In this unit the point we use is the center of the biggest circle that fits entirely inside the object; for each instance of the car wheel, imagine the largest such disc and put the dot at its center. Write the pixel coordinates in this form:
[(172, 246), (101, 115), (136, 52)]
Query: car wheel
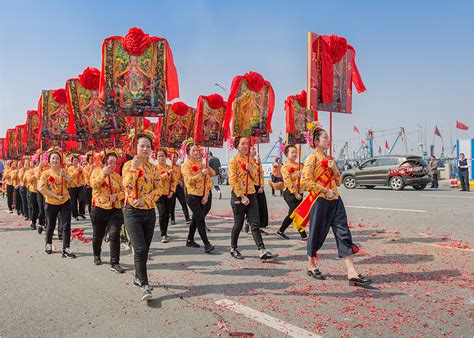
[(349, 182), (419, 186), (369, 186), (396, 183)]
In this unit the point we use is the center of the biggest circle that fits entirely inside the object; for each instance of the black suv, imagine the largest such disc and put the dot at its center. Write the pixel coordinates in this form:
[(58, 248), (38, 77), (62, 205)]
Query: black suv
[(393, 171)]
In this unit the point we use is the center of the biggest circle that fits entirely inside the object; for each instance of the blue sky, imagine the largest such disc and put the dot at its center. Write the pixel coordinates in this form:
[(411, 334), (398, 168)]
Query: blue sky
[(415, 57)]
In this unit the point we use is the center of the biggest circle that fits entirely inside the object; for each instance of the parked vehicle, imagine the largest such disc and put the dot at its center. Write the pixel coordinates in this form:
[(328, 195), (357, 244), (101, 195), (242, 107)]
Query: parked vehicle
[(393, 171)]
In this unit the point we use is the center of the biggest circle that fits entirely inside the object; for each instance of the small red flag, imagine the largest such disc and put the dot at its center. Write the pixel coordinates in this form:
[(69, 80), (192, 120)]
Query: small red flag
[(437, 132), (461, 125), (387, 146), (356, 129)]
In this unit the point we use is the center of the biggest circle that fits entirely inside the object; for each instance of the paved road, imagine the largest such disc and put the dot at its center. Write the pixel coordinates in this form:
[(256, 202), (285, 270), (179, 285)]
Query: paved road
[(419, 255)]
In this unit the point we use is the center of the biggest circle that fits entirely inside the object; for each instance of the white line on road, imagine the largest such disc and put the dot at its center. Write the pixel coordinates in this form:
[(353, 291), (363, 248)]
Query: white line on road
[(379, 208), (445, 196), (277, 324)]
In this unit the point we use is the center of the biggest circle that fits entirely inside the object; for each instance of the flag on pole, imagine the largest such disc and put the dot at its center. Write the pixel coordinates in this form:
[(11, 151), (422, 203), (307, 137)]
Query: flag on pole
[(363, 141), (437, 132), (356, 129), (387, 146), (460, 125), (380, 150)]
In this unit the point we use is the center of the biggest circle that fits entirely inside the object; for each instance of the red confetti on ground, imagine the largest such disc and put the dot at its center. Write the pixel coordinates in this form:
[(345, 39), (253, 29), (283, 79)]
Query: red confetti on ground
[(78, 233)]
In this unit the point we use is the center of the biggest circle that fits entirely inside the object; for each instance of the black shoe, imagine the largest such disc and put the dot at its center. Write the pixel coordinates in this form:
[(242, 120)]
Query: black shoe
[(146, 292), (263, 232), (316, 274), (192, 244), (172, 222), (83, 217), (33, 226), (60, 237), (27, 218), (97, 260), (236, 254), (137, 284), (303, 235), (360, 281), (76, 218), (188, 221), (264, 254), (67, 253), (48, 249), (282, 235), (208, 248), (40, 229), (117, 268), (11, 212)]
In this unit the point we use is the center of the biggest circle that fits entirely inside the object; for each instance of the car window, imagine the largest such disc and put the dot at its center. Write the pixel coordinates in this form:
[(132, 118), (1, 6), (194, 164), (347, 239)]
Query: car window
[(368, 164), (386, 161)]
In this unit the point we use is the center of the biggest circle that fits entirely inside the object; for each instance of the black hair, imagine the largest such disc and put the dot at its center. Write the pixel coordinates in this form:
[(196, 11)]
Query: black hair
[(88, 156), (317, 134), (106, 157), (237, 141), (163, 150), (189, 146), (462, 154), (287, 149)]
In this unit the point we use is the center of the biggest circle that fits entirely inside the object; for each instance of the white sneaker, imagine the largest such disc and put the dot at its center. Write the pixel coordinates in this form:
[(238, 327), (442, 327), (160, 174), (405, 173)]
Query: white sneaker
[(165, 239), (146, 293)]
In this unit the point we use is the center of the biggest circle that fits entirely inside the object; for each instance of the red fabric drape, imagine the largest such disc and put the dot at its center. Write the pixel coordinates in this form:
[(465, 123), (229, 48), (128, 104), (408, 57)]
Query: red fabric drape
[(356, 78), (198, 120)]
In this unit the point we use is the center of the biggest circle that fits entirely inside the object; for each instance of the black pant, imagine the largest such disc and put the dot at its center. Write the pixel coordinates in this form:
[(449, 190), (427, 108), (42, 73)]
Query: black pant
[(179, 194), (198, 220), (434, 181), (24, 201), (262, 207), (464, 177), (77, 198), (164, 207), (88, 198), (324, 215), (103, 219), (34, 210), (18, 205), (240, 211), (292, 203), (41, 207), (64, 212), (140, 225), (10, 196)]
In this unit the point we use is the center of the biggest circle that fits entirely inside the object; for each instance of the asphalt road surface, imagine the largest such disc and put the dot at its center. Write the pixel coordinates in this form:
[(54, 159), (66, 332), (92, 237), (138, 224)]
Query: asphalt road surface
[(418, 250)]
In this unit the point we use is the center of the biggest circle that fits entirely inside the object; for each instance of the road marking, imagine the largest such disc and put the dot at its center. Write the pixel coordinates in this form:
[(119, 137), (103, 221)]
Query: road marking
[(379, 208), (277, 324), (445, 196)]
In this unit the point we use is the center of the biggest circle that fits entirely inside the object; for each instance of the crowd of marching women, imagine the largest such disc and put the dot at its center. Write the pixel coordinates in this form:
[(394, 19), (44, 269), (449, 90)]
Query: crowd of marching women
[(52, 189)]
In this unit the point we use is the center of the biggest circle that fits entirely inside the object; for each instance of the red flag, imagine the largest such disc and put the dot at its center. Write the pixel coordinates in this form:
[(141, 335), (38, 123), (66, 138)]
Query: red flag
[(436, 132), (356, 129), (387, 146), (380, 150), (363, 141), (461, 125)]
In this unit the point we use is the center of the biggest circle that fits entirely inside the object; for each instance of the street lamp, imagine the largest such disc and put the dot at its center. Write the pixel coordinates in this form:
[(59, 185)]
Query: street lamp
[(218, 85)]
